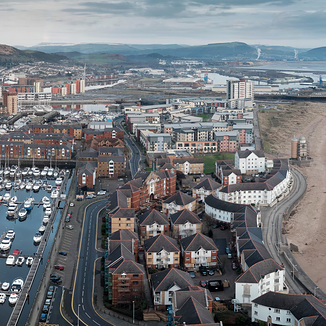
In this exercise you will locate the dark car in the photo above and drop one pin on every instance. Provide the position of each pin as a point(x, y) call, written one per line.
point(67, 219)
point(51, 288)
point(203, 284)
point(49, 295)
point(59, 267)
point(203, 271)
point(234, 265)
point(192, 274)
point(43, 317)
point(63, 253)
point(56, 281)
point(55, 277)
point(45, 308)
point(211, 272)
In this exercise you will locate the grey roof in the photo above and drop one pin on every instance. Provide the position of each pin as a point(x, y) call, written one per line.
point(194, 313)
point(116, 159)
point(163, 281)
point(222, 205)
point(156, 244)
point(199, 293)
point(120, 252)
point(208, 184)
point(153, 216)
point(116, 200)
point(184, 216)
point(247, 152)
point(300, 305)
point(129, 267)
point(196, 241)
point(255, 273)
point(189, 159)
point(124, 237)
point(88, 168)
point(180, 198)
point(124, 213)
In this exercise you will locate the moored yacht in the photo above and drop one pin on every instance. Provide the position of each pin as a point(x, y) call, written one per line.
point(36, 172)
point(5, 286)
point(29, 261)
point(36, 187)
point(42, 229)
point(10, 234)
point(45, 220)
point(55, 193)
point(29, 186)
point(50, 173)
point(5, 244)
point(20, 261)
point(11, 260)
point(48, 188)
point(28, 203)
point(48, 211)
point(2, 297)
point(17, 285)
point(12, 210)
point(6, 196)
point(25, 172)
point(13, 298)
point(37, 237)
point(22, 213)
point(8, 186)
point(58, 181)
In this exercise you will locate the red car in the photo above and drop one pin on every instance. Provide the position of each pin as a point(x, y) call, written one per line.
point(59, 267)
point(203, 284)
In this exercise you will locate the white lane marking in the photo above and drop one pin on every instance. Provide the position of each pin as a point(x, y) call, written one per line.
point(83, 307)
point(82, 293)
point(87, 315)
point(96, 322)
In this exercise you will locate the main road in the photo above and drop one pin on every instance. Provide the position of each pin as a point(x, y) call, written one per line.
point(136, 154)
point(82, 296)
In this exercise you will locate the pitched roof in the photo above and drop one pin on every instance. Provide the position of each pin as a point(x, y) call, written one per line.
point(247, 152)
point(183, 216)
point(124, 212)
point(153, 216)
point(208, 184)
point(118, 253)
point(196, 241)
point(199, 293)
point(180, 198)
point(163, 281)
point(160, 242)
point(194, 313)
point(257, 271)
point(129, 267)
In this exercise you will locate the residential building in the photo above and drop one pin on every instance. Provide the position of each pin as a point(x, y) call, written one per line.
point(198, 250)
point(227, 173)
point(250, 162)
point(185, 223)
point(227, 141)
point(178, 202)
point(239, 94)
point(155, 141)
point(165, 283)
point(152, 223)
point(122, 218)
point(189, 165)
point(205, 188)
point(162, 252)
point(111, 167)
point(259, 279)
point(9, 100)
point(288, 309)
point(86, 176)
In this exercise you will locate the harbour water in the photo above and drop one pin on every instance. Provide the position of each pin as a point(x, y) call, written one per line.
point(23, 241)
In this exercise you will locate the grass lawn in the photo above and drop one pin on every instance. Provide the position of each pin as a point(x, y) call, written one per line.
point(205, 116)
point(209, 160)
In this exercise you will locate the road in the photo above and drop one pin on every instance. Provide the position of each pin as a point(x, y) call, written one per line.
point(82, 297)
point(276, 244)
point(136, 154)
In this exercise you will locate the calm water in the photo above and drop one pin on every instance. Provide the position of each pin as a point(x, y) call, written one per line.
point(23, 241)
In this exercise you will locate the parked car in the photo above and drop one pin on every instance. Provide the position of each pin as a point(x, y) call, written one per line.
point(234, 266)
point(211, 272)
point(141, 249)
point(49, 295)
point(217, 299)
point(67, 219)
point(51, 288)
point(56, 281)
point(59, 267)
point(72, 204)
point(45, 308)
point(43, 317)
point(69, 227)
point(203, 284)
point(47, 302)
point(203, 270)
point(63, 253)
point(192, 274)
point(55, 277)
point(101, 192)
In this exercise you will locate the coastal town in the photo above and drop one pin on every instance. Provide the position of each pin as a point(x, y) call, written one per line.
point(177, 196)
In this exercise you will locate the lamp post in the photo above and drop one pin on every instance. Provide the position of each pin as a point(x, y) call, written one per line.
point(133, 312)
point(315, 291)
point(78, 315)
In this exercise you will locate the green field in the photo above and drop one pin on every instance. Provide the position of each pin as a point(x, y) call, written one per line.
point(209, 160)
point(205, 116)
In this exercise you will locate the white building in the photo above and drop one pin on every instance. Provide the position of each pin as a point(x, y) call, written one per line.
point(250, 162)
point(239, 93)
point(259, 279)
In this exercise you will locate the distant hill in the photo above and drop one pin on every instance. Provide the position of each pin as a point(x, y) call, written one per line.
point(94, 58)
point(11, 55)
point(318, 54)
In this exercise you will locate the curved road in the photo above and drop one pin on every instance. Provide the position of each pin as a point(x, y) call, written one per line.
point(82, 297)
point(272, 228)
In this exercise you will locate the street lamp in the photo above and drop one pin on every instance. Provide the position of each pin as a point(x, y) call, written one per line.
point(133, 312)
point(78, 315)
point(315, 291)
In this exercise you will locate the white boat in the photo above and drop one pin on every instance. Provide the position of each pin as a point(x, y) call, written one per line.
point(11, 260)
point(12, 173)
point(29, 186)
point(25, 172)
point(6, 196)
point(36, 172)
point(5, 286)
point(45, 220)
point(8, 186)
point(48, 211)
point(42, 229)
point(13, 298)
point(1, 197)
point(6, 172)
point(22, 214)
point(28, 203)
point(37, 237)
point(18, 173)
point(58, 181)
point(12, 210)
point(13, 199)
point(20, 261)
point(5, 244)
point(17, 285)
point(48, 188)
point(29, 261)
point(50, 172)
point(10, 234)
point(45, 200)
point(36, 187)
point(2, 298)
point(46, 205)
point(55, 194)
point(22, 186)
point(44, 173)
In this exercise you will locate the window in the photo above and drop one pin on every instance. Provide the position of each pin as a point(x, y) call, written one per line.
point(278, 319)
point(277, 311)
point(288, 320)
point(256, 313)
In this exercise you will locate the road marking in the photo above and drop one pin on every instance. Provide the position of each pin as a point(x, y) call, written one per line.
point(87, 315)
point(83, 307)
point(82, 293)
point(96, 322)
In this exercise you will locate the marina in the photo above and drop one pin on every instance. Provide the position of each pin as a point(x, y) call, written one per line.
point(22, 228)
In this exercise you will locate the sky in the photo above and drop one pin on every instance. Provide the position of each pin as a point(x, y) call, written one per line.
point(297, 23)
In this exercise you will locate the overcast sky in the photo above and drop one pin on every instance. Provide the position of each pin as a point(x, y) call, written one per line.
point(298, 23)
